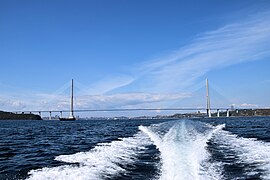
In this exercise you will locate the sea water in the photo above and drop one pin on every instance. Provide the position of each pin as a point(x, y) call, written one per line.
point(201, 148)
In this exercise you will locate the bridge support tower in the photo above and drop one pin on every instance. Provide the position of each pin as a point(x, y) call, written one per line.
point(228, 113)
point(208, 110)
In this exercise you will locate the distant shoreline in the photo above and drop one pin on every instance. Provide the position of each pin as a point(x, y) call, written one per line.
point(12, 116)
point(233, 113)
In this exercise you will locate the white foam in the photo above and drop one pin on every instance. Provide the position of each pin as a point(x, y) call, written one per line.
point(100, 162)
point(183, 152)
point(249, 151)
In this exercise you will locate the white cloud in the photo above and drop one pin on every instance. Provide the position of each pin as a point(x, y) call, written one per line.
point(125, 100)
point(161, 78)
point(10, 103)
point(107, 84)
point(248, 105)
point(232, 44)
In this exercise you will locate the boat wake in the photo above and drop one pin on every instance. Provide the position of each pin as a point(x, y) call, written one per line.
point(105, 160)
point(183, 149)
point(249, 154)
point(187, 150)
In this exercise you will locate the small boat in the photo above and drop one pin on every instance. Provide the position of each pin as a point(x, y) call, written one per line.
point(71, 115)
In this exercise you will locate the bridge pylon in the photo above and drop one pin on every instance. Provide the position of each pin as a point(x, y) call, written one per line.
point(207, 99)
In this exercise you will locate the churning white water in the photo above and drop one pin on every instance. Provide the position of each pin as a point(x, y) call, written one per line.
point(183, 149)
point(250, 151)
point(100, 162)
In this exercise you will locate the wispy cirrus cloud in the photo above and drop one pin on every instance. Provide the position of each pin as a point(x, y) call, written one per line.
point(126, 100)
point(107, 84)
point(161, 78)
point(232, 44)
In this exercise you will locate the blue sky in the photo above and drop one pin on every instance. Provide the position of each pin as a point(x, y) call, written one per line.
point(126, 54)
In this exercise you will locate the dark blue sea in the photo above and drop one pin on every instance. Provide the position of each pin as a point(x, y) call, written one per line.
point(189, 149)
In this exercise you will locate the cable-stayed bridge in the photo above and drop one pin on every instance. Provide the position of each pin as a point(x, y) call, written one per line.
point(206, 109)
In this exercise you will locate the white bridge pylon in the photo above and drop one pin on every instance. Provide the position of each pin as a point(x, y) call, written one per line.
point(208, 108)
